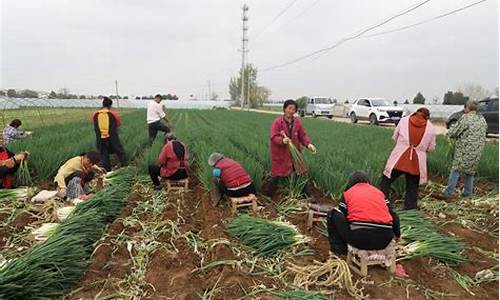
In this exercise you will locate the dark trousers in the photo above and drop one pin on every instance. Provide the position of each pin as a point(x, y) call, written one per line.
point(153, 129)
point(86, 179)
point(275, 181)
point(236, 193)
point(106, 148)
point(6, 176)
point(340, 234)
point(154, 173)
point(412, 182)
point(4, 171)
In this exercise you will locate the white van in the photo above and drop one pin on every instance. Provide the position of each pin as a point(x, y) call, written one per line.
point(319, 107)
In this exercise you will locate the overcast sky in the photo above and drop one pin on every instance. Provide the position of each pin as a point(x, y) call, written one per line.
point(176, 46)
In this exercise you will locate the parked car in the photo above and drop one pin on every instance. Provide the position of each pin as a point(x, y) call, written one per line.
point(376, 111)
point(319, 107)
point(488, 107)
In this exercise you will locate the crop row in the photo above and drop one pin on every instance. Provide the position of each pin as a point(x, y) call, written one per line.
point(342, 148)
point(53, 145)
point(52, 268)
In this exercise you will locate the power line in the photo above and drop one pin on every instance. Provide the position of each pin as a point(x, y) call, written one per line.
point(326, 49)
point(425, 21)
point(275, 18)
point(303, 12)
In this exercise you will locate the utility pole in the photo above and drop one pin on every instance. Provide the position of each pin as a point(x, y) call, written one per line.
point(244, 42)
point(116, 90)
point(209, 90)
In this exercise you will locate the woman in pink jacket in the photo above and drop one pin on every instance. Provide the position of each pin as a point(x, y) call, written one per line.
point(286, 129)
point(414, 137)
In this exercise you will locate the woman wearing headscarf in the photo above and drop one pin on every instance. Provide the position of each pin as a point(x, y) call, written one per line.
point(414, 137)
point(173, 162)
point(229, 178)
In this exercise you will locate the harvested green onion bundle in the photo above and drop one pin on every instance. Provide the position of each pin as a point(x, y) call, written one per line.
point(52, 268)
point(14, 194)
point(265, 237)
point(299, 164)
point(427, 241)
point(23, 177)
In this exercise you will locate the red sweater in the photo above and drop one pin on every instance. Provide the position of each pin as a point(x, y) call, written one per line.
point(169, 162)
point(232, 173)
point(367, 204)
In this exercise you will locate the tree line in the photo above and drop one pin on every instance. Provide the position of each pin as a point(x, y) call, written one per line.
point(65, 94)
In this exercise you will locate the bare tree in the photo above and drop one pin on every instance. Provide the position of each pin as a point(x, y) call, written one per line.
point(474, 91)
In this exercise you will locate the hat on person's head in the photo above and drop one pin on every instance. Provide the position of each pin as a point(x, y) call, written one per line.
point(169, 136)
point(214, 158)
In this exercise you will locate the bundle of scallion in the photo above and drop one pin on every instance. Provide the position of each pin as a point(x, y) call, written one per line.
point(51, 269)
point(425, 240)
point(14, 194)
point(44, 231)
point(23, 177)
point(265, 237)
point(299, 164)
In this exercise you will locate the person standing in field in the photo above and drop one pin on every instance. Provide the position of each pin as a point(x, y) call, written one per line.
point(74, 176)
point(363, 219)
point(155, 114)
point(9, 164)
point(469, 135)
point(106, 123)
point(229, 178)
point(173, 162)
point(286, 129)
point(415, 137)
point(11, 132)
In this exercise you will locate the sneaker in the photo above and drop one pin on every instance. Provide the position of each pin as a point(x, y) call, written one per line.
point(467, 195)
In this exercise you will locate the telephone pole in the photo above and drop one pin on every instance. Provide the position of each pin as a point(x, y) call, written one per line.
point(116, 91)
point(244, 42)
point(209, 90)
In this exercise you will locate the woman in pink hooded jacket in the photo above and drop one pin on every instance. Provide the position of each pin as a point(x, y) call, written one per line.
point(414, 137)
point(286, 129)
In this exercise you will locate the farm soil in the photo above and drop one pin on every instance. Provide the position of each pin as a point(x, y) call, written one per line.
point(174, 274)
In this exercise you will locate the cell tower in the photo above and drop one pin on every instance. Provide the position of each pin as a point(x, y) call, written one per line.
point(244, 50)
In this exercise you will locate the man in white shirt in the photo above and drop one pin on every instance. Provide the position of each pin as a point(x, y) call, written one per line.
point(154, 116)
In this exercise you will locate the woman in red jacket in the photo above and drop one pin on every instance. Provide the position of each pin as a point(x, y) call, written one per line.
point(230, 178)
point(9, 163)
point(286, 129)
point(364, 218)
point(173, 162)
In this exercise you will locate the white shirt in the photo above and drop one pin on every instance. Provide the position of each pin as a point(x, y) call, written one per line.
point(155, 112)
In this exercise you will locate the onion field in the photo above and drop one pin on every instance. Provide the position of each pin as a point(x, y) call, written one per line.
point(129, 241)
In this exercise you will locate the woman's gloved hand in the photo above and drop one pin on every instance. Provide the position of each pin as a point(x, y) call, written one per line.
point(312, 148)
